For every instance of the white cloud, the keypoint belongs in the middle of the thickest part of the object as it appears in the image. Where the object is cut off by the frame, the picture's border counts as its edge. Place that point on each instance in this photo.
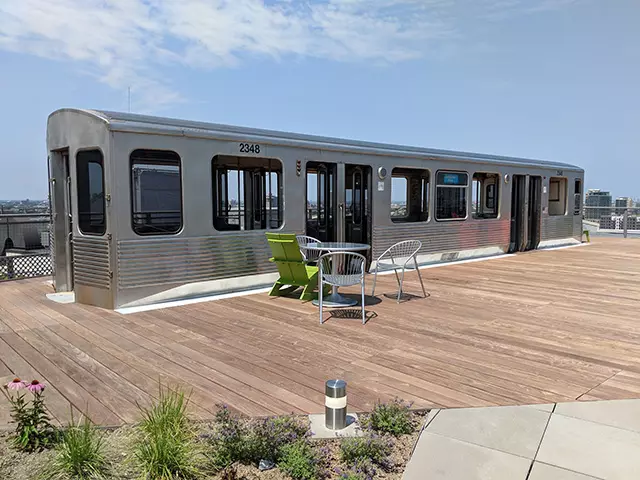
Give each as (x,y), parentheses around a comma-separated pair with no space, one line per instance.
(503,9)
(125,42)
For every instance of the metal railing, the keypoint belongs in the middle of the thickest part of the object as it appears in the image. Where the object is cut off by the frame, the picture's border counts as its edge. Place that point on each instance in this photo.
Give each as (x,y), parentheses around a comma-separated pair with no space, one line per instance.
(24,246)
(24,231)
(612,219)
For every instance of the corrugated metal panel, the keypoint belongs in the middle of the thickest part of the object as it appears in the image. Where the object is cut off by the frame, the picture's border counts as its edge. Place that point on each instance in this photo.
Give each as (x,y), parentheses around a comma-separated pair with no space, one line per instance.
(91,262)
(560,226)
(444,237)
(143,263)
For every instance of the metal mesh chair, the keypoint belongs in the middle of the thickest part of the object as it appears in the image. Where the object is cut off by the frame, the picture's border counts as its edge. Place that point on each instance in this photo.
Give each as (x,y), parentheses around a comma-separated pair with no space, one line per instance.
(397,257)
(341,269)
(310,256)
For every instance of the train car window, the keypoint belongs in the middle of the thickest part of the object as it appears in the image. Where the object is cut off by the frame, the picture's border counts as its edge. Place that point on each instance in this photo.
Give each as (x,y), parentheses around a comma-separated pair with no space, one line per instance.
(91,202)
(399,196)
(451,195)
(484,195)
(247,193)
(577,198)
(409,195)
(156,192)
(557,196)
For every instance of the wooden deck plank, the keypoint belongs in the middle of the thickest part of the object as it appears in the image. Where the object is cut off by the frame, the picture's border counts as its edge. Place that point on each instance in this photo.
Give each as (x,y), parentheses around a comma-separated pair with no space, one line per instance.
(538,327)
(178,366)
(75,395)
(132,368)
(58,405)
(304,364)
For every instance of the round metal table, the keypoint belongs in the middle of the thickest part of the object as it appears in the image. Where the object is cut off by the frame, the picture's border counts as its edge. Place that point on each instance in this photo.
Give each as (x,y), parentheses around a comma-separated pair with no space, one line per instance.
(335,300)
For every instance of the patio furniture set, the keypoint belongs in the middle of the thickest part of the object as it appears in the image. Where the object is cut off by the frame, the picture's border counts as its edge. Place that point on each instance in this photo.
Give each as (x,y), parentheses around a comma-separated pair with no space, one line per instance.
(306,262)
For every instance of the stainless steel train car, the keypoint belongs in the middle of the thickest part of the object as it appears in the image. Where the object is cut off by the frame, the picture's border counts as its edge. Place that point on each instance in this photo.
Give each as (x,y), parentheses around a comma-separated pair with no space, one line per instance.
(148,209)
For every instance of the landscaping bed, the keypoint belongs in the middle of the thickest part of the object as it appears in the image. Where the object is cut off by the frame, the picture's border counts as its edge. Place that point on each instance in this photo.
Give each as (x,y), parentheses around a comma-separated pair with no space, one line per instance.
(167,445)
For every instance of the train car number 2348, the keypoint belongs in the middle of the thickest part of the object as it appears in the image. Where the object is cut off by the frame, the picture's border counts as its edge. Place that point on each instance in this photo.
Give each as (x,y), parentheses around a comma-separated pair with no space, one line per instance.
(249,148)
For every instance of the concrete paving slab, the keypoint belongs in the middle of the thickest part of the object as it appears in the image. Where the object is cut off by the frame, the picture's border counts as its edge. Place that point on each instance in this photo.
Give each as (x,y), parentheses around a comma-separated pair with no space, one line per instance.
(591,448)
(442,458)
(542,471)
(319,430)
(514,430)
(615,413)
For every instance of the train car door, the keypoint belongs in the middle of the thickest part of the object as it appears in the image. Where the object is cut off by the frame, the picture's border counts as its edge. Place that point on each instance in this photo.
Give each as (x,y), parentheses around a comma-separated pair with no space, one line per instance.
(526,206)
(321,201)
(62,219)
(517,212)
(339,202)
(357,217)
(534,212)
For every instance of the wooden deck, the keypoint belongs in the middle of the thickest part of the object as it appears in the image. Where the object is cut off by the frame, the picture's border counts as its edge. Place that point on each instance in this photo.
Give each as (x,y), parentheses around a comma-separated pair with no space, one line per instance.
(544,326)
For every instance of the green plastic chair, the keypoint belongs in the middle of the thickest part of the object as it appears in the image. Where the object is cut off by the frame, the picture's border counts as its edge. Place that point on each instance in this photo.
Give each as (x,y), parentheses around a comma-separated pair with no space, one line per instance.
(294,272)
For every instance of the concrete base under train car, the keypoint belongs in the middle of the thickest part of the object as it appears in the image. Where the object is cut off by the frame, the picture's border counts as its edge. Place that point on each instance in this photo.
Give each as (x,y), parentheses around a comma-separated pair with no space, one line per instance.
(558,242)
(205,289)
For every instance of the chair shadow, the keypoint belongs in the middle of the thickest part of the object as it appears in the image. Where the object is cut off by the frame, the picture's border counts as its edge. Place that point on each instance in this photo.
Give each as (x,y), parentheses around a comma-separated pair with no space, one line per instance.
(349,314)
(355,312)
(405,297)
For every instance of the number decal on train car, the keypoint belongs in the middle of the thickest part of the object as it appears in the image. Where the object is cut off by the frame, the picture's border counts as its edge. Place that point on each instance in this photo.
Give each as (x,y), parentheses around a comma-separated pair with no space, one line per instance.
(249,148)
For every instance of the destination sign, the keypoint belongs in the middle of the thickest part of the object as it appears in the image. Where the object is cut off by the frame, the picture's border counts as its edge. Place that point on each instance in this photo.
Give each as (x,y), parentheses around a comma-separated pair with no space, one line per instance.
(451,178)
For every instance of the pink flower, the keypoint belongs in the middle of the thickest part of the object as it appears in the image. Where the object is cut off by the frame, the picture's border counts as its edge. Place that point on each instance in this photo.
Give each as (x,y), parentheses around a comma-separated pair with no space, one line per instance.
(35,386)
(16,384)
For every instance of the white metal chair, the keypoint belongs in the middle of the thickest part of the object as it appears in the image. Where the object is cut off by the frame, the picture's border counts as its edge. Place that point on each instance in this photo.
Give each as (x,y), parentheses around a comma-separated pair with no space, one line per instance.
(399,255)
(310,256)
(341,269)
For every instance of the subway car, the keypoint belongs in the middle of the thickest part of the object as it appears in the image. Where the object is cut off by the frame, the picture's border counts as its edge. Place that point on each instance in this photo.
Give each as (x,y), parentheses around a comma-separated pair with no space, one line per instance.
(148,209)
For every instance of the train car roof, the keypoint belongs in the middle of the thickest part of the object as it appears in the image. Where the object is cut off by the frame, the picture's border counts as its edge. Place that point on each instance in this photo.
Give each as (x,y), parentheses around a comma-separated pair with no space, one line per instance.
(136,123)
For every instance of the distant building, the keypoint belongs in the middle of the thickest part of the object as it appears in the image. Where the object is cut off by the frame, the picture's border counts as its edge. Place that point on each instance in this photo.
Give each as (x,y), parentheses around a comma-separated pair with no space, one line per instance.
(597,198)
(607,222)
(622,203)
(616,222)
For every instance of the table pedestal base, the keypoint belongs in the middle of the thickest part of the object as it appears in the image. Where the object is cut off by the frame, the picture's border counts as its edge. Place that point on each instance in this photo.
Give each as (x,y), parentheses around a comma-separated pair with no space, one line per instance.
(335,300)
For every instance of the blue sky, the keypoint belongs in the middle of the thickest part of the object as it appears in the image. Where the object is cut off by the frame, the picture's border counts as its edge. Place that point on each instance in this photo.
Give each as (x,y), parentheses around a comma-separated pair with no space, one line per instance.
(549,79)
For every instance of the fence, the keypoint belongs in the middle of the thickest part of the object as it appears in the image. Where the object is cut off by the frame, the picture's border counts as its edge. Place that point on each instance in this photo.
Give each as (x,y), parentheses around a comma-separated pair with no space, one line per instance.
(612,219)
(16,267)
(24,246)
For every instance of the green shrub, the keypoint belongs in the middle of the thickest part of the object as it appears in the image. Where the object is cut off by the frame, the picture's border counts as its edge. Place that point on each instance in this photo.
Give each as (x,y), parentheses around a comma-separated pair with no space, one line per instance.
(34,430)
(393,418)
(353,475)
(270,435)
(371,448)
(168,448)
(300,461)
(80,454)
(236,439)
(230,442)
(359,470)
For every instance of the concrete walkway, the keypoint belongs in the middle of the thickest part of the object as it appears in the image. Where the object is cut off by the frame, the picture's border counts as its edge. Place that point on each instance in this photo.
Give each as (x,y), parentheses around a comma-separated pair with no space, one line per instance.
(564,441)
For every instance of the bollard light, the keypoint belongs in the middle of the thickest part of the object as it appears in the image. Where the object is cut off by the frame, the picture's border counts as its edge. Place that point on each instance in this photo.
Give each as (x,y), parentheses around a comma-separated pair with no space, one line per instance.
(335,404)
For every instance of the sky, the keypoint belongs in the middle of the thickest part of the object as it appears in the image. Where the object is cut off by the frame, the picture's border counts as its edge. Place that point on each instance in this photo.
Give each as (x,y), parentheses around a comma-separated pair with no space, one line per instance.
(548,79)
